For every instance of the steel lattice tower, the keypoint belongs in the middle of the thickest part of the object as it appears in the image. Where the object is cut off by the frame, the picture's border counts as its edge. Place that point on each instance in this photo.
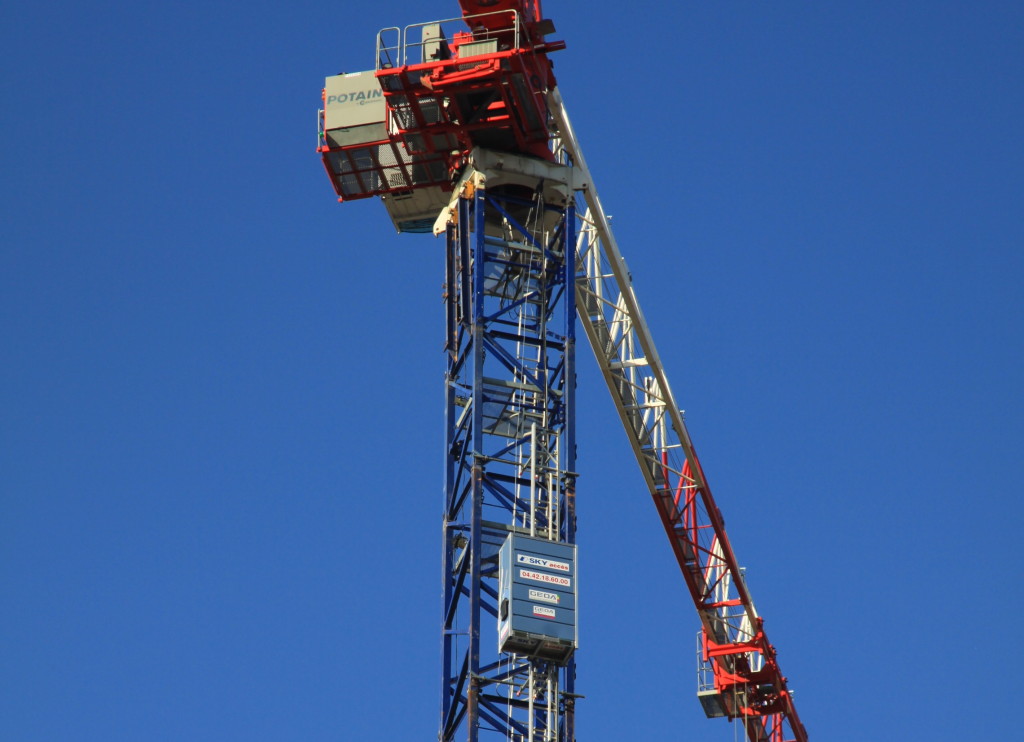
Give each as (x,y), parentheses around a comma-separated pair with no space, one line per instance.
(510,441)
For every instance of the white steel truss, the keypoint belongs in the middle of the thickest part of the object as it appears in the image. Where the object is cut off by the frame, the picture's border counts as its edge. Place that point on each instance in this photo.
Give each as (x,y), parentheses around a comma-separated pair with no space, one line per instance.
(734,644)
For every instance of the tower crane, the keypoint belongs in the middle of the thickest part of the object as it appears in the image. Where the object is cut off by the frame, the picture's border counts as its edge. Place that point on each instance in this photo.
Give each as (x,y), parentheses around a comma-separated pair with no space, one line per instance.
(461,131)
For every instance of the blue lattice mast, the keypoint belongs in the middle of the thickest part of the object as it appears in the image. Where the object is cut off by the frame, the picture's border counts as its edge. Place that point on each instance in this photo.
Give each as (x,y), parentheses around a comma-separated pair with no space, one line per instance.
(452,130)
(510,458)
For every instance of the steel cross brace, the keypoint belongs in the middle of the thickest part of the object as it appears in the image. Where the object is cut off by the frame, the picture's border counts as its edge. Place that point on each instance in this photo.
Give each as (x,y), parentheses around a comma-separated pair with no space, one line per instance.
(509,449)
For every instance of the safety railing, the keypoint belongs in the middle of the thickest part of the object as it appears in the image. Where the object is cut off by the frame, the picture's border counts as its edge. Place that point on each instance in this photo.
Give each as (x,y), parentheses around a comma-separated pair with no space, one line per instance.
(394,45)
(389,55)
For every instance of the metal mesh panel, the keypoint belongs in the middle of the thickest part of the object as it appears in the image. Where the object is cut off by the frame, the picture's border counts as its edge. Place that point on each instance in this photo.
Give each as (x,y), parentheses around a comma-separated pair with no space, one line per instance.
(355,171)
(444,142)
(391,166)
(401,109)
(430,110)
(415,143)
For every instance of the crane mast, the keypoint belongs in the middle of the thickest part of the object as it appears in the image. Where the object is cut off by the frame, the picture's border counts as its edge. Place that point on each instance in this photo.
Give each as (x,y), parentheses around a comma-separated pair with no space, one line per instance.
(461,131)
(509,521)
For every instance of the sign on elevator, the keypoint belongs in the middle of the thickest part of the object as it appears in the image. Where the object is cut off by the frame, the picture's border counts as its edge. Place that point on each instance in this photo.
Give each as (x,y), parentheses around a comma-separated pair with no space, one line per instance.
(537,598)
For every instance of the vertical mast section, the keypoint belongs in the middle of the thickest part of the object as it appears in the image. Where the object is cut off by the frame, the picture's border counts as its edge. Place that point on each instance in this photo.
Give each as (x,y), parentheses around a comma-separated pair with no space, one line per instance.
(743,679)
(510,446)
(458,124)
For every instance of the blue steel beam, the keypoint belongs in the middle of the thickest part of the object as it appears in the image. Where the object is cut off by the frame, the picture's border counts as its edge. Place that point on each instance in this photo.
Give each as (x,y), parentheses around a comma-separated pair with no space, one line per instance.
(510,447)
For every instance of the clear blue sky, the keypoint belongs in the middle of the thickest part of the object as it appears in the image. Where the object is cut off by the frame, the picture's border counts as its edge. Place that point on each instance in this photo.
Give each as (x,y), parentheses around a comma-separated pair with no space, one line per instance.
(221,401)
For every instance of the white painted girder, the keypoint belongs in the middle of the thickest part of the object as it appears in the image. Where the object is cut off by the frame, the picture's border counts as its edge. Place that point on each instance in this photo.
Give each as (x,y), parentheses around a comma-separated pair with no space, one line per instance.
(625,351)
(624,348)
